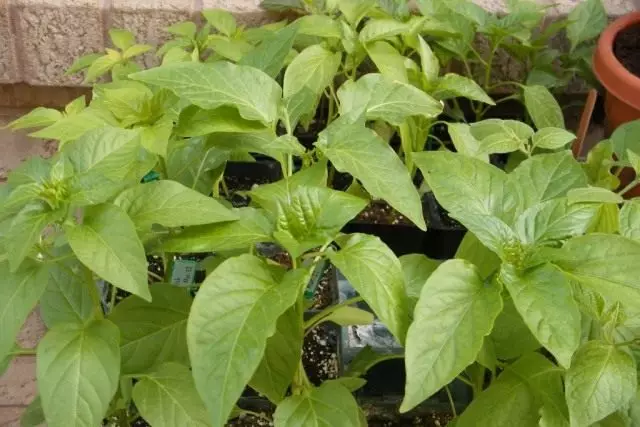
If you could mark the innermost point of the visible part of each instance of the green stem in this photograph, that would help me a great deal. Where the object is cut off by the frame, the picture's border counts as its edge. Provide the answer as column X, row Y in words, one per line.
column 24, row 352
column 464, row 380
column 225, row 189
column 155, row 276
column 318, row 318
column 453, row 406
column 629, row 187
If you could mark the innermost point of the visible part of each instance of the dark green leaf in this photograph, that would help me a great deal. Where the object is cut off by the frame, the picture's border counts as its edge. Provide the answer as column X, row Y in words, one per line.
column 270, row 55
column 416, row 268
column 586, row 21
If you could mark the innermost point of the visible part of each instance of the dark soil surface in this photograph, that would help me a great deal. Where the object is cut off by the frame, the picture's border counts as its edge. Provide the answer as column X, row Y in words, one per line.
column 434, row 419
column 626, row 47
column 325, row 292
column 320, row 353
column 438, row 216
column 382, row 213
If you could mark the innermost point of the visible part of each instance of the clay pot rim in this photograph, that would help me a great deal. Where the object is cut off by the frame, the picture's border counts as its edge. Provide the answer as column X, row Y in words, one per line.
column 616, row 79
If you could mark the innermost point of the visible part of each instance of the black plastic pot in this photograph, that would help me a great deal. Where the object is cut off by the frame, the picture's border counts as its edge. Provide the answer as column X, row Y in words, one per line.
column 240, row 177
column 444, row 234
column 402, row 239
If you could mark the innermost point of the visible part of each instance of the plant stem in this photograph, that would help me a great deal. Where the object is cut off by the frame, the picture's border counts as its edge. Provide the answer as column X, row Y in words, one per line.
column 155, row 276
column 453, row 406
column 629, row 187
column 225, row 189
column 318, row 318
column 464, row 380
column 24, row 351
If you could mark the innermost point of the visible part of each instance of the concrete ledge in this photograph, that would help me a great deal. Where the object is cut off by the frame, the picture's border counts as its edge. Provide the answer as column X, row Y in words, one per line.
column 41, row 38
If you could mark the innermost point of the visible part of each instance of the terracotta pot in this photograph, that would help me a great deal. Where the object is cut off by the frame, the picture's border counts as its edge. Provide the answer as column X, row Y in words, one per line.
column 622, row 88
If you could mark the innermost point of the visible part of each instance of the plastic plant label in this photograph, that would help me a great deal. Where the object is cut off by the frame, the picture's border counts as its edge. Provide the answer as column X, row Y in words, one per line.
column 151, row 176
column 184, row 272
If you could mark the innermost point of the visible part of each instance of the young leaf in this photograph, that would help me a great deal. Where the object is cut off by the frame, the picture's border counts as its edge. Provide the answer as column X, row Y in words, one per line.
column 253, row 226
column 209, row 86
column 39, row 117
column 509, row 130
column 388, row 61
column 319, row 25
column 593, row 195
column 25, row 231
column 375, row 272
column 73, row 127
column 510, row 336
column 452, row 85
column 625, row 139
column 472, row 250
column 361, row 152
column 107, row 243
column 153, row 332
column 221, row 20
column 453, row 315
column 167, row 396
column 465, row 142
column 586, row 21
column 122, row 39
column 315, row 67
column 185, row 29
column 417, row 268
column 67, row 298
column 544, row 299
column 602, row 379
column 34, row 170
column 233, row 315
column 19, row 293
column 379, row 98
column 355, row 10
column 300, row 105
column 429, row 62
column 170, row 204
column 380, row 29
column 630, row 220
column 281, row 357
column 331, row 404
column 83, row 62
column 598, row 166
column 78, row 367
column 101, row 66
column 552, row 138
column 270, row 55
column 543, row 107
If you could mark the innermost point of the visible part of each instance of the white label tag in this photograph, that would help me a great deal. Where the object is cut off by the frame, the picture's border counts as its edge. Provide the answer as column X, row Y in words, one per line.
column 184, row 272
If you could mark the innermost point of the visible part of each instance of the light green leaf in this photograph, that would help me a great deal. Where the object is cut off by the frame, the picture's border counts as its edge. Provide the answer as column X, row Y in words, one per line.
column 155, row 138
column 465, row 142
column 362, row 153
column 347, row 316
column 76, row 106
column 107, row 243
column 453, row 315
column 543, row 107
column 630, row 220
column 170, row 204
column 607, row 219
column 547, row 176
column 233, row 315
column 221, row 20
column 82, row 62
column 593, row 195
column 586, row 21
column 314, row 67
column 270, row 55
column 602, row 379
column 281, row 357
column 194, row 163
column 375, row 272
column 606, row 264
column 599, row 164
column 73, row 127
column 331, row 404
column 379, row 98
column 167, row 397
column 66, row 298
column 544, row 299
column 212, row 85
column 265, row 142
column 501, row 136
column 25, row 231
column 472, row 250
column 511, row 337
column 554, row 220
column 252, row 227
column 153, row 332
column 625, row 139
column 185, row 29
column 517, row 394
column 39, row 117
column 78, row 367
column 429, row 62
column 313, row 216
column 634, row 159
column 388, row 61
column 453, row 85
column 101, row 66
column 122, row 39
column 380, row 29
column 19, row 293
column 417, row 268
column 551, row 138
column 301, row 105
column 355, row 10
column 33, row 170
column 319, row 25
column 366, row 359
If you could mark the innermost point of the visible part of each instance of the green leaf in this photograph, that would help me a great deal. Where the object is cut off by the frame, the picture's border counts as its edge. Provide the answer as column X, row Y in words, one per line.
column 517, row 395
column 301, row 105
column 33, row 170
column 375, row 272
column 76, row 106
column 625, row 139
column 544, row 299
column 379, row 98
column 253, row 226
column 547, row 176
column 107, row 243
column 429, row 62
column 472, row 250
column 347, row 316
column 551, row 138
column 82, row 62
column 593, row 195
column 221, row 20
column 586, row 21
column 170, row 204
column 281, row 357
column 465, row 142
column 101, row 66
column 501, row 136
column 167, row 396
column 630, row 220
column 78, row 368
column 231, row 49
column 38, row 117
column 194, row 163
column 362, row 153
column 153, row 332
column 601, row 380
column 510, row 336
column 313, row 216
column 554, row 220
column 604, row 263
column 25, row 231
column 599, row 164
column 543, row 107
column 185, row 29
column 331, row 404
column 270, row 55
column 453, row 315
column 19, row 293
column 33, row 416
column 122, row 39
column 314, row 67
column 380, row 29
column 388, row 61
column 453, row 85
column 233, row 315
column 417, row 268
column 366, row 359
column 67, row 298
column 355, row 10
column 319, row 25
column 212, row 85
